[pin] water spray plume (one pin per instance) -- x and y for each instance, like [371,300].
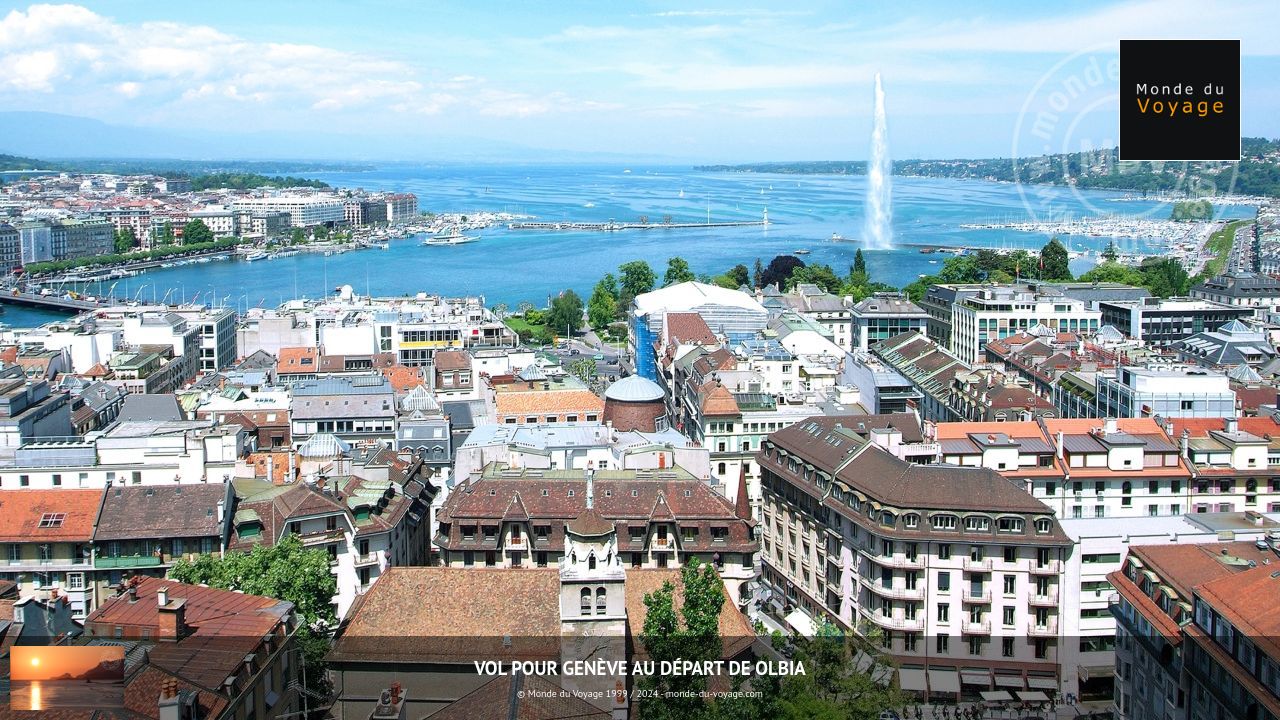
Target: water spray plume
[878,231]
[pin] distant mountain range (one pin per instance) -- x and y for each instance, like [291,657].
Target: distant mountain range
[105,670]
[1258,172]
[55,136]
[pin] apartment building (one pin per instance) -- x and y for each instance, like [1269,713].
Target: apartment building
[30,410]
[304,210]
[10,248]
[1255,291]
[930,368]
[517,517]
[401,207]
[1163,321]
[131,452]
[205,653]
[365,523]
[882,316]
[48,544]
[1195,629]
[1235,463]
[957,568]
[352,408]
[813,303]
[997,312]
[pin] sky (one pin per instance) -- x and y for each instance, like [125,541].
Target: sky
[688,80]
[43,663]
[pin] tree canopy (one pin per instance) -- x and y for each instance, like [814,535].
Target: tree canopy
[196,232]
[637,278]
[779,271]
[602,308]
[565,313]
[677,272]
[1054,261]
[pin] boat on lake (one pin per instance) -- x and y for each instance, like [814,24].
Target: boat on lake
[453,237]
[255,255]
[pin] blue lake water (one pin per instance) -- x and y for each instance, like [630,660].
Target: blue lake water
[514,265]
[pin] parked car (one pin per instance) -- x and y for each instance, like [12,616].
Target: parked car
[598,356]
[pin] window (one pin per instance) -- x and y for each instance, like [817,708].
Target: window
[1008,616]
[601,602]
[944,613]
[1010,554]
[490,558]
[52,520]
[975,523]
[542,559]
[585,602]
[944,551]
[941,644]
[944,581]
[1006,646]
[1043,526]
[1010,584]
[1011,525]
[24,481]
[57,480]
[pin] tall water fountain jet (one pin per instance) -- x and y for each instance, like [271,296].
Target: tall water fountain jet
[877,234]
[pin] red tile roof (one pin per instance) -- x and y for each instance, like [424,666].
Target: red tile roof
[685,328]
[452,360]
[1200,427]
[402,378]
[298,360]
[59,514]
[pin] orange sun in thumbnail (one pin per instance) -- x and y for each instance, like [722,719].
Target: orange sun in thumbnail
[35,661]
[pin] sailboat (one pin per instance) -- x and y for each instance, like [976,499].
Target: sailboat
[681,192]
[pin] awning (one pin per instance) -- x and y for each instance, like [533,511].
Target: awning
[944,681]
[1014,681]
[1033,696]
[911,679]
[801,623]
[1044,683]
[996,696]
[976,677]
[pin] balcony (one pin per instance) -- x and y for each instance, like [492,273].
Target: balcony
[1048,628]
[897,623]
[896,593]
[323,537]
[893,561]
[50,564]
[982,627]
[1052,567]
[517,543]
[972,565]
[977,596]
[128,561]
[1043,600]
[663,544]
[368,559]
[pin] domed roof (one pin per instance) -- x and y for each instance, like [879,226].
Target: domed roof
[634,389]
[323,445]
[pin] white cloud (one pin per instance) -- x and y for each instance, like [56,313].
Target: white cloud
[29,71]
[129,89]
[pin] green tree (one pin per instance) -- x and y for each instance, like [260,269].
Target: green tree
[697,638]
[859,262]
[286,571]
[1111,254]
[637,278]
[166,235]
[1054,261]
[196,232]
[584,368]
[677,272]
[757,274]
[739,275]
[845,676]
[321,232]
[501,310]
[779,271]
[297,236]
[565,313]
[125,241]
[821,275]
[1165,277]
[602,308]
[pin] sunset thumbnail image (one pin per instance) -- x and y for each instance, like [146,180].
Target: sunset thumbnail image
[66,676]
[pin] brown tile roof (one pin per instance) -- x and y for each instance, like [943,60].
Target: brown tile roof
[534,698]
[98,371]
[402,378]
[1200,427]
[279,467]
[687,328]
[1248,600]
[224,627]
[549,402]
[589,523]
[143,691]
[717,400]
[23,512]
[164,511]
[454,615]
[298,360]
[452,360]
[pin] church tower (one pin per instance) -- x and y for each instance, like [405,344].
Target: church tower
[593,605]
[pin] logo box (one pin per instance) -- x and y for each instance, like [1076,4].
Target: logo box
[1180,100]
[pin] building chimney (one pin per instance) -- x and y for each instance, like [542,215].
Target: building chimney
[391,704]
[222,510]
[162,596]
[173,620]
[1232,424]
[133,594]
[1058,444]
[1185,444]
[591,485]
[1110,426]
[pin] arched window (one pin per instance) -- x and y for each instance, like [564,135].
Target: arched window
[600,601]
[1251,485]
[586,601]
[1126,488]
[591,561]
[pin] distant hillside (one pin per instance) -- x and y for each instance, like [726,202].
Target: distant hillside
[1259,171]
[16,162]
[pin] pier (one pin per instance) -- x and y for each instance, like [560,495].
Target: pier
[51,302]
[612,226]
